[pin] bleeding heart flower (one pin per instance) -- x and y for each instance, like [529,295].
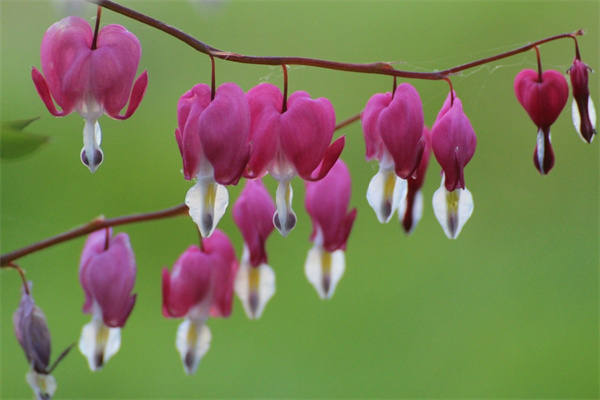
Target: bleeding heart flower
[327,203]
[213,142]
[200,285]
[393,130]
[453,142]
[290,143]
[255,281]
[90,80]
[107,274]
[584,113]
[543,96]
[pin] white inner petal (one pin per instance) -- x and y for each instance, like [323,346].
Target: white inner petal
[254,286]
[417,210]
[384,194]
[98,343]
[324,270]
[452,209]
[92,138]
[577,117]
[284,218]
[43,385]
[192,342]
[207,201]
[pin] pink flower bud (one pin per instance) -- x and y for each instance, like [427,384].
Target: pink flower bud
[107,274]
[31,330]
[453,142]
[584,114]
[90,81]
[543,97]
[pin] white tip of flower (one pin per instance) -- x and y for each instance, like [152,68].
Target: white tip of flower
[452,209]
[284,218]
[43,385]
[98,343]
[207,201]
[254,286]
[577,118]
[324,270]
[91,154]
[417,210]
[384,194]
[192,342]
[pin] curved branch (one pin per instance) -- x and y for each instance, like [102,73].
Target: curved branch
[93,225]
[381,68]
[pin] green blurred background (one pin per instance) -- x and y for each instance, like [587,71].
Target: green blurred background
[509,310]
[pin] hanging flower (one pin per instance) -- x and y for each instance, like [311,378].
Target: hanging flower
[543,95]
[255,281]
[213,142]
[411,206]
[107,274]
[200,286]
[92,78]
[393,130]
[584,113]
[327,203]
[289,143]
[453,142]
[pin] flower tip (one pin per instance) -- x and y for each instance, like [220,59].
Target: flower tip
[93,162]
[284,224]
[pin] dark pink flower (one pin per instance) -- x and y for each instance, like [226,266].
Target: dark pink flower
[290,143]
[327,204]
[107,274]
[543,97]
[393,131]
[213,140]
[90,81]
[453,142]
[584,114]
[200,285]
[411,207]
[253,214]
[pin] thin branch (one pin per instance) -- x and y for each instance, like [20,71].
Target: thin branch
[92,226]
[381,68]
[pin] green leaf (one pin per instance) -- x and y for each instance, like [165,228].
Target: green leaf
[15,143]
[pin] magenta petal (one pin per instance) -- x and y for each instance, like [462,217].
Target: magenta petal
[113,67]
[253,214]
[326,202]
[265,101]
[369,119]
[137,93]
[331,156]
[306,130]
[581,93]
[224,269]
[188,284]
[542,99]
[453,143]
[224,127]
[190,107]
[42,88]
[94,245]
[401,128]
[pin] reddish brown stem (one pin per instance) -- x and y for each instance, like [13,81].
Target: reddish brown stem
[285,88]
[213,84]
[21,273]
[97,28]
[381,68]
[539,63]
[92,226]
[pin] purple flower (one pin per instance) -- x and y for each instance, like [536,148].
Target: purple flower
[543,97]
[253,214]
[584,114]
[290,143]
[393,131]
[327,203]
[213,140]
[200,285]
[107,274]
[91,81]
